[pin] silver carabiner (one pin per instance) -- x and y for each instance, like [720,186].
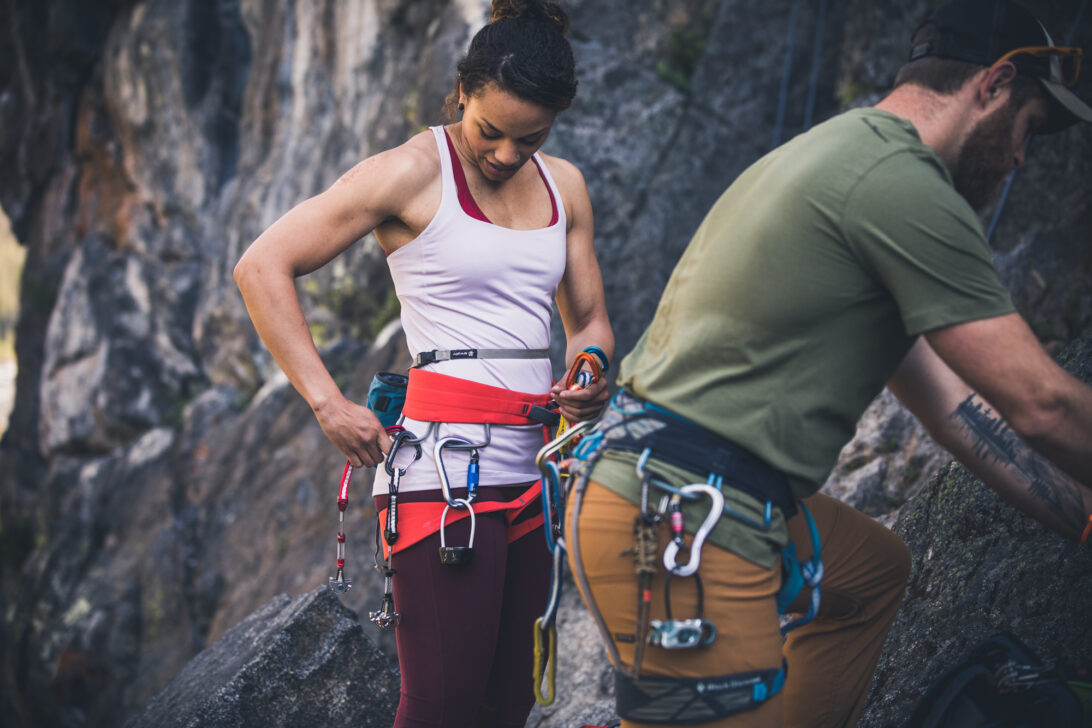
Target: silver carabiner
[561,441]
[707,525]
[438,457]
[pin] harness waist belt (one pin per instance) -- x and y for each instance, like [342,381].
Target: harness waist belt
[418,519]
[436,397]
[428,357]
[690,446]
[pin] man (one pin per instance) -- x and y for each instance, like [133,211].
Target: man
[848,258]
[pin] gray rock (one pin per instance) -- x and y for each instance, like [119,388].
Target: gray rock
[980,567]
[293,662]
[890,458]
[159,480]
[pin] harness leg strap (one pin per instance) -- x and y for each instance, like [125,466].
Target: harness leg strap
[660,700]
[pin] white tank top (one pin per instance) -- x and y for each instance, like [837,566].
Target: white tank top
[465,283]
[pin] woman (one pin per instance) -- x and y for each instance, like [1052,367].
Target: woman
[480,243]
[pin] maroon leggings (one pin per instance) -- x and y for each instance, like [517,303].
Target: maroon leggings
[465,642]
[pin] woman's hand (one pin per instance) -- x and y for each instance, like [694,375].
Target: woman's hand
[581,404]
[354,430]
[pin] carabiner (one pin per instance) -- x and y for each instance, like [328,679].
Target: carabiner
[545,636]
[707,525]
[456,555]
[545,662]
[561,441]
[403,437]
[454,442]
[550,614]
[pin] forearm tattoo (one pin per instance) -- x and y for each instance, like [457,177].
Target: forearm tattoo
[993,440]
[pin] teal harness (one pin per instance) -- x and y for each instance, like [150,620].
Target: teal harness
[632,425]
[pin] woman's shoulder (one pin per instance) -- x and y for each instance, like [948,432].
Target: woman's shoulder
[402,170]
[567,175]
[414,159]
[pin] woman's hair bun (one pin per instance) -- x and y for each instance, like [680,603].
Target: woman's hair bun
[536,9]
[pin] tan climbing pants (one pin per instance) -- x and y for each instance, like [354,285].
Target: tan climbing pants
[831,660]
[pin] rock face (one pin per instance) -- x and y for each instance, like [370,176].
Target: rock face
[159,480]
[302,661]
[979,568]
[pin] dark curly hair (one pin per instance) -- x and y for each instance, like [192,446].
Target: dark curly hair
[524,51]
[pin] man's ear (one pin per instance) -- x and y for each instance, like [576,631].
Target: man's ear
[992,85]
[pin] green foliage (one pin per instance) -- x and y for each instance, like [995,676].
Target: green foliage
[683,45]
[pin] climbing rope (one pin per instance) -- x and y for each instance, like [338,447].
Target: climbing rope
[786,69]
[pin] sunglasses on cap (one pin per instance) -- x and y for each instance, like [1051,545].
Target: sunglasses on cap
[1065,63]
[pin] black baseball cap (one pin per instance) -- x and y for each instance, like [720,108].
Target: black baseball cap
[984,31]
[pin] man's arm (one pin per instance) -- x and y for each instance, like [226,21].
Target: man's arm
[969,427]
[1049,409]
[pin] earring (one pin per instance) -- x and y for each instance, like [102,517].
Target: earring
[461,106]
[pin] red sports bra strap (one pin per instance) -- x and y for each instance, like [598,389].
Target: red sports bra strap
[434,397]
[466,200]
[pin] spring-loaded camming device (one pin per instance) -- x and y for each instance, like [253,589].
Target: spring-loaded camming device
[339,584]
[385,617]
[644,563]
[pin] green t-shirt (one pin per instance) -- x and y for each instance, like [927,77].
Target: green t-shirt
[806,285]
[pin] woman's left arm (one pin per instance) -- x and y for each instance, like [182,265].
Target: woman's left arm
[580,298]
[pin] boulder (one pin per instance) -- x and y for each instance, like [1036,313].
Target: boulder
[293,662]
[980,567]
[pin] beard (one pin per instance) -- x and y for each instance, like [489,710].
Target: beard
[986,158]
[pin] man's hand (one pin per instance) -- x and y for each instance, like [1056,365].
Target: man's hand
[354,430]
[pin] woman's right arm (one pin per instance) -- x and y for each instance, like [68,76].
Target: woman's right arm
[307,237]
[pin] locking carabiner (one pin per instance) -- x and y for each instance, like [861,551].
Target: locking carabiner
[707,525]
[454,442]
[456,555]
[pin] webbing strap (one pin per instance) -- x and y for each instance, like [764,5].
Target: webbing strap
[428,357]
[436,397]
[661,700]
[418,521]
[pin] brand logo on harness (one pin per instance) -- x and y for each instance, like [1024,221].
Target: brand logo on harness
[464,353]
[717,687]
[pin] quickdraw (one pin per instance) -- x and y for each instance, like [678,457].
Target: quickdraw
[386,617]
[545,629]
[339,584]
